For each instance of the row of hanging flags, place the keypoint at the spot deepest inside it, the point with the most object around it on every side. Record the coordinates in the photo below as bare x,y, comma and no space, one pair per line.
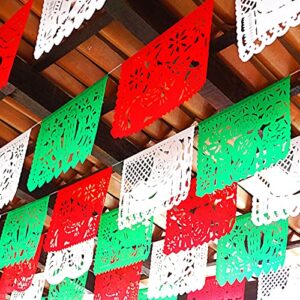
247,143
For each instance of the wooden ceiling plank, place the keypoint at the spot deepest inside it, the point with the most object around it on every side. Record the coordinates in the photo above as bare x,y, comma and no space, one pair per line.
278,60
117,34
102,55
246,71
14,118
22,109
63,80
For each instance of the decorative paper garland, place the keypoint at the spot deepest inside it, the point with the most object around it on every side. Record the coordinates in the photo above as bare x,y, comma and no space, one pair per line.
245,138
60,18
12,157
276,190
77,212
164,74
282,284
22,231
259,23
71,262
143,295
198,220
119,248
156,179
67,136
119,283
213,291
177,273
34,292
10,36
68,289
242,253
18,277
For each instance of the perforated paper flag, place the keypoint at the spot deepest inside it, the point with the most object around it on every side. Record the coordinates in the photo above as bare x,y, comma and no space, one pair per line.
77,212
68,289
10,36
249,250
18,277
198,220
120,283
245,138
119,248
276,190
164,74
71,262
282,284
143,295
213,291
67,136
34,292
12,157
259,23
156,179
22,231
177,273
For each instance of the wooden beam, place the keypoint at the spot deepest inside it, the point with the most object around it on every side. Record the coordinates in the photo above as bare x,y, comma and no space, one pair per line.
251,290
51,98
7,90
295,83
99,20
225,80
223,41
120,11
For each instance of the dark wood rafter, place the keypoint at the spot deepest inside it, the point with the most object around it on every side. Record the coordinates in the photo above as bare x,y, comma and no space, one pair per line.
99,20
295,83
120,11
223,41
6,91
